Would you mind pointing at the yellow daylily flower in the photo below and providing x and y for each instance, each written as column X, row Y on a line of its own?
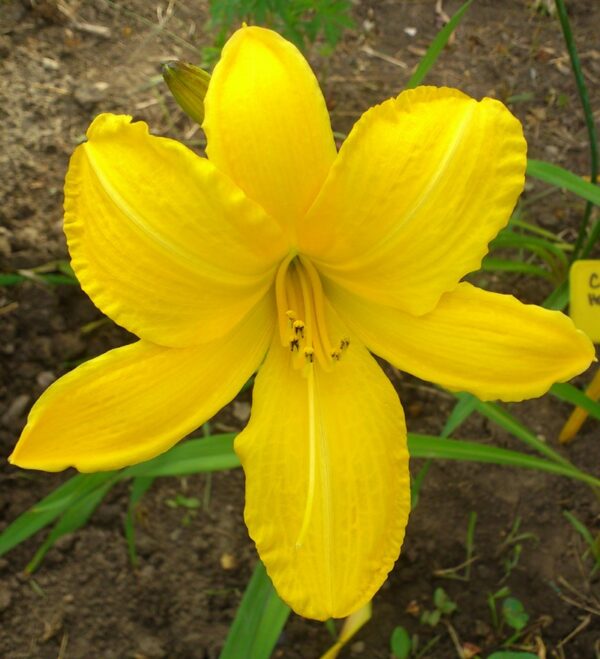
column 278, row 254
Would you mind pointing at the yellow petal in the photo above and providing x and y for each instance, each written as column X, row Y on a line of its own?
column 267, row 124
column 160, row 240
column 135, row 402
column 327, row 483
column 488, row 344
column 420, row 187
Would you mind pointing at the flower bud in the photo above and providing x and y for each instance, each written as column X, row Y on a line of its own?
column 188, row 84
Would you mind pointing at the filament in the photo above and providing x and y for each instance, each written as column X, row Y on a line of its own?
column 301, row 315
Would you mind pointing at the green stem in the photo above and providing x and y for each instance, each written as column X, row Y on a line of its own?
column 591, row 129
column 594, row 234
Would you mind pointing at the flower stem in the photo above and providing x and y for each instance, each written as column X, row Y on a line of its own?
column 582, row 247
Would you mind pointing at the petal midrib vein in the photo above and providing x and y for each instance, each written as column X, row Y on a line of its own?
column 179, row 255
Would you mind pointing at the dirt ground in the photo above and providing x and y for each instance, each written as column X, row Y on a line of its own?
column 61, row 63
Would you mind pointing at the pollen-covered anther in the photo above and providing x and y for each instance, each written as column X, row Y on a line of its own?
column 303, row 315
column 298, row 327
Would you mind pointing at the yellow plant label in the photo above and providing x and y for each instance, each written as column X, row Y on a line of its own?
column 585, row 297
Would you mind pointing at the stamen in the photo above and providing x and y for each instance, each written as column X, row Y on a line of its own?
column 281, row 296
column 308, row 307
column 318, row 299
column 298, row 328
column 302, row 315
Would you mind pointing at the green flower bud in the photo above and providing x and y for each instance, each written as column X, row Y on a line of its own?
column 188, row 84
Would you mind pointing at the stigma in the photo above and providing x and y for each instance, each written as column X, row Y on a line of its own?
column 303, row 327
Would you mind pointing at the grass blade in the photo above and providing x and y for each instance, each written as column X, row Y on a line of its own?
column 465, row 406
column 491, row 264
column 214, row 453
column 538, row 231
column 49, row 508
column 258, row 622
column 508, row 238
column 74, row 518
column 584, row 532
column 563, row 178
column 436, row 46
column 503, row 418
column 12, row 278
column 570, row 394
column 559, row 298
column 426, row 446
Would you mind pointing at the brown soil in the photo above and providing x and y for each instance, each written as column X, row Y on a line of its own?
column 56, row 73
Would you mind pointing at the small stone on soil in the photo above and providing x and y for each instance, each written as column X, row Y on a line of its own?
column 45, row 378
column 15, row 409
column 5, row 597
column 150, row 647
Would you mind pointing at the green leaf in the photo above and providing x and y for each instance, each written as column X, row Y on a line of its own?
column 563, row 178
column 570, row 394
column 191, row 503
column 12, row 278
column 431, row 618
column 49, row 508
column 584, row 532
column 517, row 221
column 73, row 518
column 514, row 613
column 463, row 409
column 216, row 453
column 258, row 622
column 503, row 418
column 559, row 298
column 426, row 446
column 509, row 654
column 436, row 47
column 194, row 456
column 442, row 602
column 400, row 643
column 511, row 239
column 492, row 264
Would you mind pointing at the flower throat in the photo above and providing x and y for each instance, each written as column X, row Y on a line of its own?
column 301, row 314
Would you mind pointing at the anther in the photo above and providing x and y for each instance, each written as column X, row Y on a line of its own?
column 335, row 355
column 294, row 345
column 298, row 326
column 309, row 353
column 344, row 343
column 291, row 315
